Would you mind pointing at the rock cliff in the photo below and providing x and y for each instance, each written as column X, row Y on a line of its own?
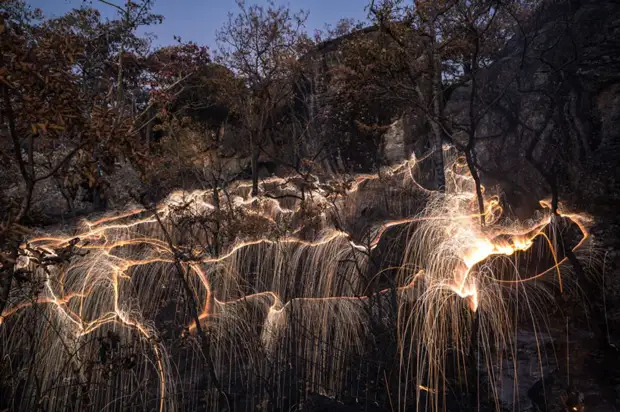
column 557, row 81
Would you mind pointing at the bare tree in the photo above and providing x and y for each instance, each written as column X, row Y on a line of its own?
column 261, row 46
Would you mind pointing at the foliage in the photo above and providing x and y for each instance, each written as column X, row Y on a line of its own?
column 62, row 120
column 170, row 64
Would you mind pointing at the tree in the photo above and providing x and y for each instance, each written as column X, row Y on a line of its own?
column 184, row 62
column 59, row 108
column 261, row 46
column 42, row 116
column 415, row 29
column 175, row 78
column 426, row 51
column 132, row 14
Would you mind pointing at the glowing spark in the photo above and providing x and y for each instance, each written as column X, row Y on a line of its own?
column 123, row 279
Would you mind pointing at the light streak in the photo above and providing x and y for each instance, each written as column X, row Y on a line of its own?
column 131, row 261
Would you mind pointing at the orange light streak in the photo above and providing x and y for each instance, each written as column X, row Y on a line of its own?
column 106, row 237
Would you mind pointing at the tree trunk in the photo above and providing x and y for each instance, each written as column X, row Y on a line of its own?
column 218, row 225
column 436, row 94
column 439, row 172
column 473, row 124
column 255, row 153
column 6, row 280
column 149, row 132
column 474, row 174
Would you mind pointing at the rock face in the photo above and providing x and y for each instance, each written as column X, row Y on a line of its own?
column 561, row 86
column 393, row 142
column 337, row 124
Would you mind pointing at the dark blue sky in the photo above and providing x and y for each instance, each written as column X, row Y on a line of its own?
column 198, row 20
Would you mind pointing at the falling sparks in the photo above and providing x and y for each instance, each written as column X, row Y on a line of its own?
column 122, row 281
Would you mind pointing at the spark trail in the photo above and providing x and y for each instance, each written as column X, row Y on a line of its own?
column 276, row 278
